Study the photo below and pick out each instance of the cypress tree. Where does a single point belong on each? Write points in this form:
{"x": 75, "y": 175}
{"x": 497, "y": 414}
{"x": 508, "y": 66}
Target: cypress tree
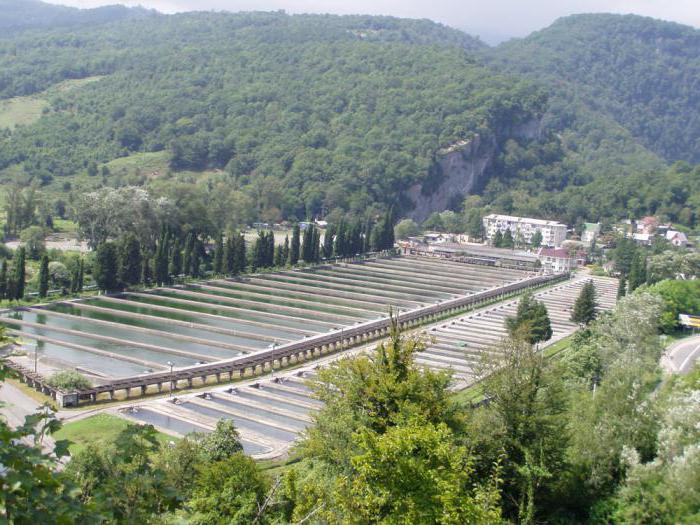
{"x": 146, "y": 271}
{"x": 176, "y": 259}
{"x": 498, "y": 239}
{"x": 306, "y": 246}
{"x": 44, "y": 276}
{"x": 388, "y": 236}
{"x": 328, "y": 242}
{"x": 508, "y": 241}
{"x": 256, "y": 259}
{"x": 637, "y": 275}
{"x": 279, "y": 260}
{"x": 3, "y": 281}
{"x": 295, "y": 246}
{"x": 229, "y": 262}
{"x": 367, "y": 237}
{"x": 270, "y": 249}
{"x": 316, "y": 246}
{"x": 196, "y": 258}
{"x": 219, "y": 255}
{"x": 187, "y": 257}
{"x": 20, "y": 273}
{"x": 106, "y": 267}
{"x": 81, "y": 275}
{"x": 622, "y": 287}
{"x": 161, "y": 261}
{"x": 241, "y": 255}
{"x": 285, "y": 251}
{"x": 74, "y": 276}
{"x": 130, "y": 259}
{"x": 340, "y": 243}
{"x": 585, "y": 306}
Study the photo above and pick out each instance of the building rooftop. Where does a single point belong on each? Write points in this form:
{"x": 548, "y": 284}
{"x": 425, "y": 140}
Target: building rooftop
{"x": 483, "y": 250}
{"x": 512, "y": 218}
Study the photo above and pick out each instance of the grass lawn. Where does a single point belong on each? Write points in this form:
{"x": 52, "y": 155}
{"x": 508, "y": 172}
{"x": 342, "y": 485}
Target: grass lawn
{"x": 100, "y": 429}
{"x": 21, "y": 111}
{"x": 141, "y": 163}
{"x": 64, "y": 226}
{"x": 472, "y": 394}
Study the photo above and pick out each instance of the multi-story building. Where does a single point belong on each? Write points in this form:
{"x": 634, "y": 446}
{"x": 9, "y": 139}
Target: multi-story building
{"x": 522, "y": 229}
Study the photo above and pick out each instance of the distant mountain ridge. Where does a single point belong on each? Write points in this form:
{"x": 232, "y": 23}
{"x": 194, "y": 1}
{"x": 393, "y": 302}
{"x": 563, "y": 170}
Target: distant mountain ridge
{"x": 642, "y": 72}
{"x": 311, "y": 114}
{"x": 20, "y": 15}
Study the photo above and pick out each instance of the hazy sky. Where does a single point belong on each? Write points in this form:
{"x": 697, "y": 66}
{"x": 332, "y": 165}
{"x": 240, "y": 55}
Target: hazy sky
{"x": 491, "y": 19}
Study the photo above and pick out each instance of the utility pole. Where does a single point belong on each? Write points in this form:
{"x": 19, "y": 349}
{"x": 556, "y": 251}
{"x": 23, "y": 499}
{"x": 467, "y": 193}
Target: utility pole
{"x": 170, "y": 364}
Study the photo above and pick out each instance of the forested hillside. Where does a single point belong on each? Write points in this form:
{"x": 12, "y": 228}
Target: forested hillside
{"x": 642, "y": 72}
{"x": 307, "y": 115}
{"x": 306, "y": 112}
{"x": 18, "y": 15}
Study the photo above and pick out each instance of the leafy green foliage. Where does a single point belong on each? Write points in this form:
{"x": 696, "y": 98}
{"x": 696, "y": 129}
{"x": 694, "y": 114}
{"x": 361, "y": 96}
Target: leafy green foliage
{"x": 531, "y": 321}
{"x": 680, "y": 297}
{"x": 69, "y": 380}
{"x": 647, "y": 84}
{"x": 585, "y": 306}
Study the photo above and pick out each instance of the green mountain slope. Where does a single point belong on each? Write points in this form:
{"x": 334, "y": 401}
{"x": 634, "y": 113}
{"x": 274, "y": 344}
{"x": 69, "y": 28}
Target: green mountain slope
{"x": 19, "y": 15}
{"x": 641, "y": 72}
{"x": 305, "y": 115}
{"x": 305, "y": 112}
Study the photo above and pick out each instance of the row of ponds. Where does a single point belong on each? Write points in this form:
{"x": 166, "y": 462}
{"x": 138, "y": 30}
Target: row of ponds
{"x": 272, "y": 413}
{"x": 134, "y": 333}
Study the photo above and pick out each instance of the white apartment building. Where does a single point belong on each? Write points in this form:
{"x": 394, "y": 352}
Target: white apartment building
{"x": 523, "y": 228}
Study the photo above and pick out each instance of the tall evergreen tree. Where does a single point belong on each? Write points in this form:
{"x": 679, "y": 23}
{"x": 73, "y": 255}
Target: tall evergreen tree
{"x": 622, "y": 287}
{"x": 306, "y": 245}
{"x": 279, "y": 260}
{"x": 241, "y": 254}
{"x": 637, "y": 274}
{"x": 129, "y": 259}
{"x": 585, "y": 306}
{"x": 187, "y": 257}
{"x": 74, "y": 276}
{"x": 3, "y": 281}
{"x": 328, "y": 242}
{"x": 146, "y": 271}
{"x": 340, "y": 248}
{"x": 531, "y": 320}
{"x": 285, "y": 251}
{"x": 161, "y": 261}
{"x": 270, "y": 249}
{"x": 295, "y": 246}
{"x": 316, "y": 246}
{"x": 81, "y": 275}
{"x": 20, "y": 273}
{"x": 388, "y": 236}
{"x": 508, "y": 241}
{"x": 219, "y": 255}
{"x": 196, "y": 258}
{"x": 106, "y": 267}
{"x": 44, "y": 276}
{"x": 498, "y": 239}
{"x": 229, "y": 262}
{"x": 175, "y": 268}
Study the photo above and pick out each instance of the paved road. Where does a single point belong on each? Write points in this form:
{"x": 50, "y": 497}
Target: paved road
{"x": 16, "y": 405}
{"x": 682, "y": 355}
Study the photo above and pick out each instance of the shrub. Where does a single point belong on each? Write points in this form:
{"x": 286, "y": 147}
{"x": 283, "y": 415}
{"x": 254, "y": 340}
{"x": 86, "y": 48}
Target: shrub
{"x": 69, "y": 380}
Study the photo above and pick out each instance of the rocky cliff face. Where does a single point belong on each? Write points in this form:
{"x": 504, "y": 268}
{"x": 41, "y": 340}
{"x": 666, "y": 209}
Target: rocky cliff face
{"x": 461, "y": 169}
